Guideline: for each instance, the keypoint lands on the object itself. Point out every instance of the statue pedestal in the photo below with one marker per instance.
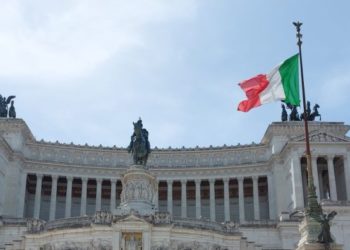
(139, 191)
(319, 246)
(309, 230)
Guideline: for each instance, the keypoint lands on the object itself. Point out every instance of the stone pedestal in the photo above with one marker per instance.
(139, 191)
(318, 246)
(309, 230)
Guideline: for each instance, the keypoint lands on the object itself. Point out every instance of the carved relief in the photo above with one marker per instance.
(103, 218)
(193, 245)
(138, 190)
(35, 225)
(99, 244)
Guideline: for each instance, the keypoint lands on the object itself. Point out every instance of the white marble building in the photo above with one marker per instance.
(66, 196)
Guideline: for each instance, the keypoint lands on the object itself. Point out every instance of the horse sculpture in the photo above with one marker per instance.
(139, 146)
(315, 113)
(310, 116)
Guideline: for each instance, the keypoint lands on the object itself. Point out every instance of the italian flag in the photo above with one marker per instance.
(282, 83)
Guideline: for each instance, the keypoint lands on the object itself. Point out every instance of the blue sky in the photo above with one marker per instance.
(83, 71)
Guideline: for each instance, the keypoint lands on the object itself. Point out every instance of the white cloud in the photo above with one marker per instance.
(65, 39)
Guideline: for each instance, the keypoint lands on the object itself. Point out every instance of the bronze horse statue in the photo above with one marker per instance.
(139, 145)
(311, 115)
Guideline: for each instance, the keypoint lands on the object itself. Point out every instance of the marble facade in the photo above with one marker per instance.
(66, 196)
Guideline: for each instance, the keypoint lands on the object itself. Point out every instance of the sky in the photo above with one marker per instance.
(83, 71)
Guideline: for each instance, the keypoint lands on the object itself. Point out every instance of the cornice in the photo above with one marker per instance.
(295, 128)
(158, 158)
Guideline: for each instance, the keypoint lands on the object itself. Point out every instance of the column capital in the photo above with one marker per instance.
(114, 181)
(212, 181)
(198, 181)
(240, 178)
(183, 182)
(39, 175)
(255, 177)
(226, 179)
(69, 178)
(99, 180)
(54, 177)
(170, 182)
(314, 157)
(84, 179)
(330, 156)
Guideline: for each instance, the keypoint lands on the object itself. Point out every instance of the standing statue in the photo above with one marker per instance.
(294, 116)
(3, 105)
(325, 234)
(284, 116)
(12, 111)
(139, 145)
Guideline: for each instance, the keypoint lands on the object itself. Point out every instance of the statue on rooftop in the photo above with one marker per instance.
(311, 115)
(293, 116)
(139, 145)
(12, 111)
(315, 113)
(284, 115)
(3, 105)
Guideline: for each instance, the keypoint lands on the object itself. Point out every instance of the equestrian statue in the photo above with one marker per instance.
(139, 145)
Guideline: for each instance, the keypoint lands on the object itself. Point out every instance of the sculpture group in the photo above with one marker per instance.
(294, 115)
(4, 111)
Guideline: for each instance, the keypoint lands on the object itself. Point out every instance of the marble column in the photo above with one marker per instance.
(271, 196)
(98, 194)
(83, 196)
(183, 199)
(256, 198)
(170, 196)
(297, 184)
(212, 199)
(198, 199)
(146, 240)
(321, 185)
(241, 199)
(69, 197)
(347, 174)
(39, 181)
(113, 194)
(331, 178)
(156, 198)
(226, 199)
(116, 235)
(315, 176)
(22, 195)
(53, 198)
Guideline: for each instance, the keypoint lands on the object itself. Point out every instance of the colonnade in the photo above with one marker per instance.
(332, 181)
(226, 198)
(169, 198)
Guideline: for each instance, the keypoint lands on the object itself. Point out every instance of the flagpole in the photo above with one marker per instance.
(313, 209)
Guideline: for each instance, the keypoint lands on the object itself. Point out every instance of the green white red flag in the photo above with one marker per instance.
(282, 83)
